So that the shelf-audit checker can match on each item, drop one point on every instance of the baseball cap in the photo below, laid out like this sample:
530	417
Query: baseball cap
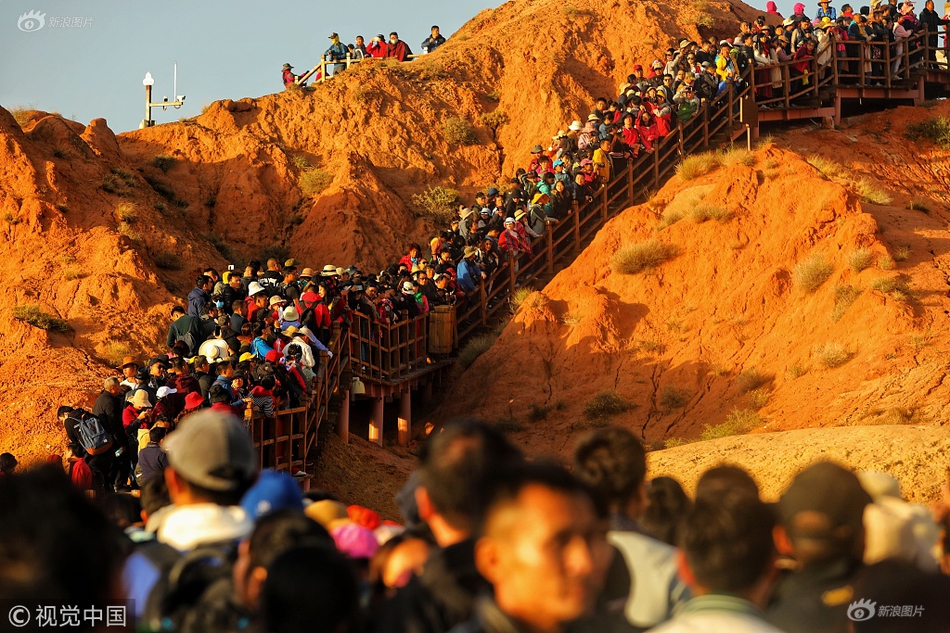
212	450
271	492
825	488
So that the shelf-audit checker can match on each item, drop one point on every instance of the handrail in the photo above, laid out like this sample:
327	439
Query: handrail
324	63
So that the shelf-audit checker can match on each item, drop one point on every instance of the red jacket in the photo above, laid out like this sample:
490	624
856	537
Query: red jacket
400	51
378	49
80	474
289	77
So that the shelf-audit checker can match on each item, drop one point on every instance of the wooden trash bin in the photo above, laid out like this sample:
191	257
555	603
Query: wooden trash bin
442	330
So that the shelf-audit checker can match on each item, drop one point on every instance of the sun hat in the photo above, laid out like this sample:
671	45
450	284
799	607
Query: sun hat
140	400
328	271
211	450
290	314
254	288
537	149
407	286
575	126
287	67
128	361
468	252
246	356
276	300
520	213
194	400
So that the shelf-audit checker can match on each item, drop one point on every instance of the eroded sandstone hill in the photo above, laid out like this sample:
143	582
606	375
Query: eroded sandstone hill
741	325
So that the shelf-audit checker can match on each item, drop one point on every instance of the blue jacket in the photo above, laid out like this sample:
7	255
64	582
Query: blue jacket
197	299
469	274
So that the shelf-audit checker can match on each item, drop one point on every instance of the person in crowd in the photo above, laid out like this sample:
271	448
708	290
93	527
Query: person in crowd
457	471
289	78
8	464
397	48
336	53
378	48
543	550
434	41
666	505
612	462
727	560
821	530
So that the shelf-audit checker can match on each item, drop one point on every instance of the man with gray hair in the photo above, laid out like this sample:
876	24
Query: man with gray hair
108	409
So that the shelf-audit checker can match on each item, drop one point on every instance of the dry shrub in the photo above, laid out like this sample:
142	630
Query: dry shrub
126	212
812	272
673	442
752	378
301	162
797	371
872	193
737	422
163	162
476	346
313	182
22	115
669	217
860	259
934	129
831	355
33	315
697	165
758	398
845	295
126	229
918	204
736	155
896	287
636	258
526	296
115	352
886	263
493	120
902	253
828	168
438	203
459	132
72	272
702	212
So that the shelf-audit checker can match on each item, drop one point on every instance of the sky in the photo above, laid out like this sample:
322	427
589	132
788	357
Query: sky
225	49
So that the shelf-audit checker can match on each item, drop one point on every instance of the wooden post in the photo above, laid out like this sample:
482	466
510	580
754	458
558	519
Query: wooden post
576	212
656	167
376	421
865	54
815	77
482	303
512	275
343	421
404	423
603	212
730	101
887	64
907	59
706	125
549	247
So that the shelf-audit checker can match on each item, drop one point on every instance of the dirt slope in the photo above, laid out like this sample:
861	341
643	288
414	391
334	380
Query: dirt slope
225	186
682	342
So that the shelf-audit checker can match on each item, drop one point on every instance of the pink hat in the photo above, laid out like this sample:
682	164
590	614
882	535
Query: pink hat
355	541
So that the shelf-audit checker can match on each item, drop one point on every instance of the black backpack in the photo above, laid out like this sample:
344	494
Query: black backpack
93	436
187	595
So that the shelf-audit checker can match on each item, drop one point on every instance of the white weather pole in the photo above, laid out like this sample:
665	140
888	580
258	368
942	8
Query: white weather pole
175	93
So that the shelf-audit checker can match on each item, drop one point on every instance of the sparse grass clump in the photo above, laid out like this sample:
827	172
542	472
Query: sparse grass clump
736	155
636	258
459	132
11	219
673	442
313	182
126	212
758	398
163	162
918	204
526	296
697	165
902	253
831	355
702	212
669	217
828	168
168	261
126	229
438	203
302	163
115	352
737	422
860	259
33	315
896	287
845	295
797	371
752	378
119	182
886	263
538	412
934	129
21	115
812	272
872	193
476	346
673	398
72	272
605	405
494	95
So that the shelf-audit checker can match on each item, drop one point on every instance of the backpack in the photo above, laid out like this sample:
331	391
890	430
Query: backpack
93	436
184	598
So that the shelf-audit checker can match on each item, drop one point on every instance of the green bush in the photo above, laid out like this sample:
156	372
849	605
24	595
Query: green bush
438	203
737	422
673	398
32	314
934	129
605	405
314	181
459	132
163	162
636	258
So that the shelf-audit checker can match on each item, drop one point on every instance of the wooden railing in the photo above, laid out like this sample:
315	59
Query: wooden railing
387	353
284	441
324	64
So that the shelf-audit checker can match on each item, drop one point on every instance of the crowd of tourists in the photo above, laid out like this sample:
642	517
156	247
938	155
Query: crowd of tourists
485	541
379	47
